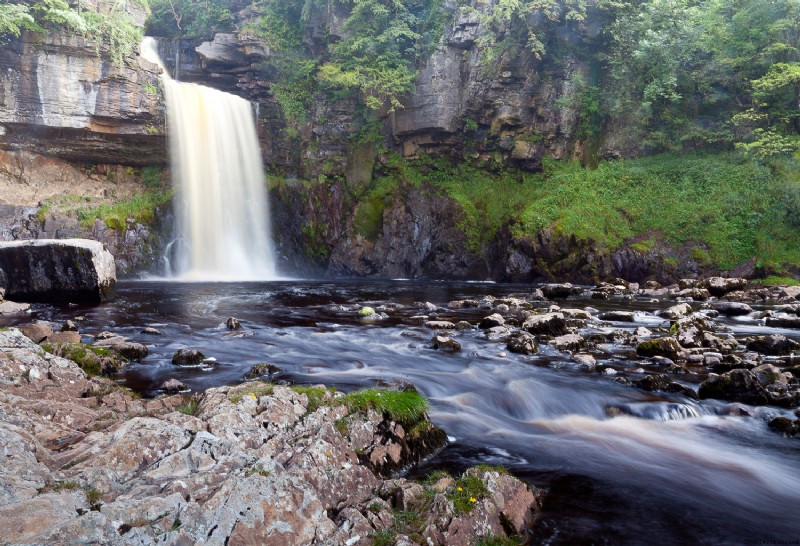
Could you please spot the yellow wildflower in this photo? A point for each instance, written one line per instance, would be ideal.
(473, 499)
(460, 489)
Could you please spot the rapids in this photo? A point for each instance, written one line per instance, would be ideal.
(660, 469)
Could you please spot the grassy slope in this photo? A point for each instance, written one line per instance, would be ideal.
(738, 208)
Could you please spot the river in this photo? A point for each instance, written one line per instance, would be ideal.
(669, 470)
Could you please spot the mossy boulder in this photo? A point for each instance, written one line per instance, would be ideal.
(662, 346)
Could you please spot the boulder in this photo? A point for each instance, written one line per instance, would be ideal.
(735, 386)
(676, 311)
(13, 308)
(36, 332)
(719, 286)
(783, 322)
(774, 345)
(187, 357)
(444, 343)
(233, 323)
(569, 342)
(560, 291)
(617, 316)
(698, 294)
(549, 324)
(64, 337)
(522, 343)
(57, 271)
(662, 346)
(733, 308)
(491, 321)
(173, 386)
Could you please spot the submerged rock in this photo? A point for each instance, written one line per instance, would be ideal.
(57, 271)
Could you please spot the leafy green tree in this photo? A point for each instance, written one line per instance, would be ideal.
(188, 18)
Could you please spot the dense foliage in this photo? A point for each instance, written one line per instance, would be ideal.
(112, 30)
(726, 208)
(189, 18)
(681, 74)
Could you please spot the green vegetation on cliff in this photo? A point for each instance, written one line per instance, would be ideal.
(112, 29)
(728, 207)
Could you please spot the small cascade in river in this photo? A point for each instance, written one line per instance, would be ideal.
(217, 170)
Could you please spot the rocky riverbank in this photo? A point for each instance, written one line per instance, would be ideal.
(86, 461)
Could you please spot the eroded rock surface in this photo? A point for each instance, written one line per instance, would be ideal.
(89, 463)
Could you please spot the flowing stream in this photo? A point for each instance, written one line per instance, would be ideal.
(223, 212)
(663, 470)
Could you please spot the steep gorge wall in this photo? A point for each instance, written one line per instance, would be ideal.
(60, 102)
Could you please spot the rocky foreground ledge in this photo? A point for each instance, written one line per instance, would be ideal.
(85, 461)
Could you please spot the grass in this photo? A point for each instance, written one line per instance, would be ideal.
(777, 281)
(317, 396)
(257, 471)
(407, 407)
(190, 407)
(495, 540)
(85, 356)
(141, 208)
(466, 492)
(253, 390)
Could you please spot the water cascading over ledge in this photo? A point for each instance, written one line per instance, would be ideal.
(223, 216)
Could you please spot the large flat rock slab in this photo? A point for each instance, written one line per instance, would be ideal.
(57, 271)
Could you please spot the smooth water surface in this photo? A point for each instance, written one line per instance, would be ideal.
(679, 472)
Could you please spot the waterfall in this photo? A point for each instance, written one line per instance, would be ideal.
(217, 171)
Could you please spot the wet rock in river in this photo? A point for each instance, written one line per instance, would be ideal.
(560, 291)
(444, 343)
(233, 323)
(719, 286)
(491, 321)
(617, 316)
(786, 426)
(662, 346)
(773, 345)
(736, 386)
(188, 357)
(173, 386)
(69, 326)
(569, 342)
(585, 361)
(548, 324)
(783, 322)
(732, 308)
(440, 325)
(522, 343)
(260, 370)
(696, 294)
(461, 304)
(151, 332)
(676, 311)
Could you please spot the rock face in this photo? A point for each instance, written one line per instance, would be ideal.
(57, 271)
(86, 463)
(57, 97)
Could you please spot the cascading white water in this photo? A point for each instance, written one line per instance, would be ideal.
(217, 170)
